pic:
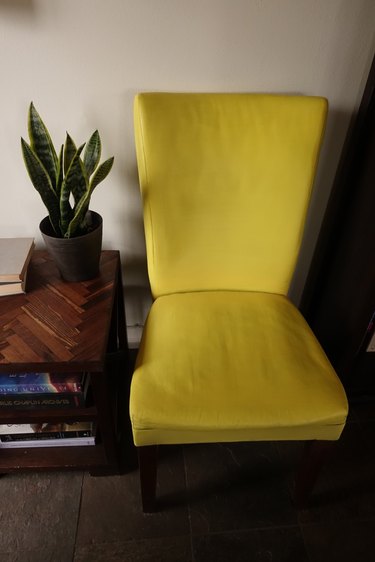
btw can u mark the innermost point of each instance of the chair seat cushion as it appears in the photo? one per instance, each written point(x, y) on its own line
point(232, 366)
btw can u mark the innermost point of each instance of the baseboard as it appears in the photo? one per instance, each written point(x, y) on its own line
point(134, 336)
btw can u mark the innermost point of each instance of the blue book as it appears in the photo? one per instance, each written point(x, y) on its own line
point(40, 383)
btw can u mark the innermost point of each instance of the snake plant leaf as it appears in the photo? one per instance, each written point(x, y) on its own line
point(81, 187)
point(42, 145)
point(101, 173)
point(42, 183)
point(60, 173)
point(69, 151)
point(74, 183)
point(66, 211)
point(92, 153)
point(77, 177)
point(83, 206)
point(79, 215)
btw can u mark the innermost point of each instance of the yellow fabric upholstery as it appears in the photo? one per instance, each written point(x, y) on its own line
point(232, 366)
point(233, 174)
point(226, 180)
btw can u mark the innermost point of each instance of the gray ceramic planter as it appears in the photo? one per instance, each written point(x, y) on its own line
point(76, 258)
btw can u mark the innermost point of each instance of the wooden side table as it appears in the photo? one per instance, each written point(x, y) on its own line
point(66, 327)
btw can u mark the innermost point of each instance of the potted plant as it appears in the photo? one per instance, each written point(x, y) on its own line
point(65, 182)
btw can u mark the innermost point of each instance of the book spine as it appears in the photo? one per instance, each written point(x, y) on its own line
point(46, 436)
point(43, 401)
point(78, 441)
point(6, 389)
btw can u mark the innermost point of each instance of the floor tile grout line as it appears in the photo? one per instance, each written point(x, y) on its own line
point(134, 540)
point(78, 516)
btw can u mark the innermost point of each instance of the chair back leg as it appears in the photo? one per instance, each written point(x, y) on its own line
point(314, 457)
point(148, 461)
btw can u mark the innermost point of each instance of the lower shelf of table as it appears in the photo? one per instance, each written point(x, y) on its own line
point(88, 457)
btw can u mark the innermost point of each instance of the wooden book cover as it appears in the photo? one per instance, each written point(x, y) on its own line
point(15, 254)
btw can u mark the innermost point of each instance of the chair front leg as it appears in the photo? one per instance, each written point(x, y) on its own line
point(148, 463)
point(314, 457)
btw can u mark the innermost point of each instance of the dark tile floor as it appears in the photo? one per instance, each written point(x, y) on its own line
point(219, 503)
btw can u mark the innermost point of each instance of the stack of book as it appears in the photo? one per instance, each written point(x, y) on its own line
point(27, 391)
point(42, 390)
point(15, 255)
point(46, 435)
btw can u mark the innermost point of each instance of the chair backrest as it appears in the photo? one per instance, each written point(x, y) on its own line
point(225, 181)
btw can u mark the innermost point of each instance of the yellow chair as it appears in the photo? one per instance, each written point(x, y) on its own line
point(225, 356)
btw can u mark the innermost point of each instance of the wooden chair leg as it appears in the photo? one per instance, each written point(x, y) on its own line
point(148, 462)
point(315, 454)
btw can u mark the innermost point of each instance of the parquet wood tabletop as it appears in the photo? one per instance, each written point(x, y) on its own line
point(55, 324)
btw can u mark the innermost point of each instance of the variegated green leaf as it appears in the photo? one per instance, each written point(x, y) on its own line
point(79, 215)
point(76, 177)
point(92, 153)
point(72, 184)
point(60, 173)
point(41, 144)
point(69, 151)
point(42, 183)
point(66, 211)
point(101, 173)
point(81, 186)
point(83, 206)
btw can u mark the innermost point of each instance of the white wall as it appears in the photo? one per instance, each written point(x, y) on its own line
point(82, 61)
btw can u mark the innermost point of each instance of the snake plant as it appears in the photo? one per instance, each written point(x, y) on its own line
point(65, 181)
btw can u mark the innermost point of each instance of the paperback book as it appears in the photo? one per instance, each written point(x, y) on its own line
point(33, 401)
point(46, 434)
point(15, 255)
point(75, 442)
point(48, 383)
point(42, 390)
point(13, 287)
